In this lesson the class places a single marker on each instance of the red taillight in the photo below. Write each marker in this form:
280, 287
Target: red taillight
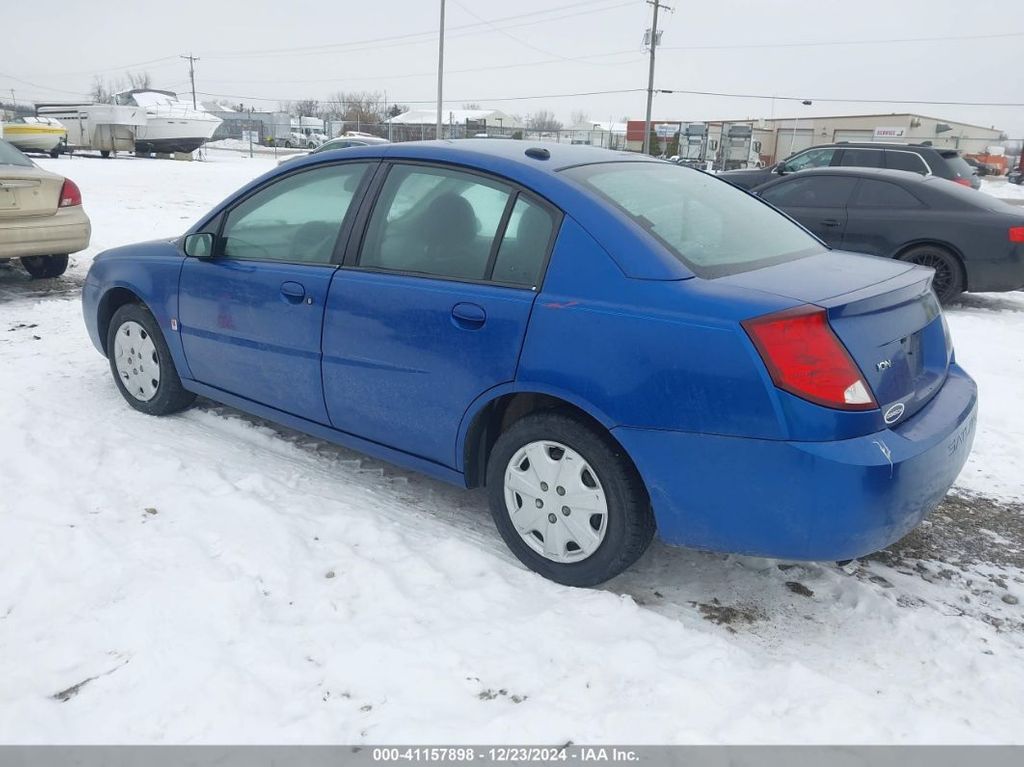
1017, 234
961, 181
805, 358
70, 194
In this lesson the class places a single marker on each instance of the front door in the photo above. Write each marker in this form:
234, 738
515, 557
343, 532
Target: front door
251, 316
434, 312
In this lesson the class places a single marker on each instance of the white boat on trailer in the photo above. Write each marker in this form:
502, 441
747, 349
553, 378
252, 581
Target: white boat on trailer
171, 125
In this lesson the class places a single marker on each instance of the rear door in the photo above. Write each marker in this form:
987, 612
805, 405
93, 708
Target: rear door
817, 202
251, 316
432, 310
881, 217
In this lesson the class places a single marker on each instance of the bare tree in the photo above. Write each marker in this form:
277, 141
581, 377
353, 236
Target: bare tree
304, 108
361, 108
103, 90
543, 120
579, 117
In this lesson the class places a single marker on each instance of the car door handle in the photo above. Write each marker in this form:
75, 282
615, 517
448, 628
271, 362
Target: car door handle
831, 222
468, 316
293, 292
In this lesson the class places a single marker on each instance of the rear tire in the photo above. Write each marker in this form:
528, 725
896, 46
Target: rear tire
104, 153
591, 543
949, 280
142, 365
45, 267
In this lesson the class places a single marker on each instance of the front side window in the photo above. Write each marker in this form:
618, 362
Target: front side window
297, 219
709, 225
435, 221
811, 192
812, 158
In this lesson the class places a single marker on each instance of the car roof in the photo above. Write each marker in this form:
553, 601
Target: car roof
889, 174
528, 156
884, 145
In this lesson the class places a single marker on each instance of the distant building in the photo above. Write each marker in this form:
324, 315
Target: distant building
418, 124
769, 141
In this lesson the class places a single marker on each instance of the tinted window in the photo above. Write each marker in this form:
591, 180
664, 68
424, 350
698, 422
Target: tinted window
861, 158
882, 194
812, 158
435, 221
958, 165
11, 156
525, 244
711, 226
909, 161
297, 219
811, 192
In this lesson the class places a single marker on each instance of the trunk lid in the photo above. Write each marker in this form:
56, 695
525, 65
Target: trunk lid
27, 192
883, 311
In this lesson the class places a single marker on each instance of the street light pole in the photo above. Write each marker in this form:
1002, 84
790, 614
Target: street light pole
440, 70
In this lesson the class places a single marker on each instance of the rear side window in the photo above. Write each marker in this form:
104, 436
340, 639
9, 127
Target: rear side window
909, 161
882, 194
435, 221
861, 158
958, 165
11, 156
811, 192
520, 258
709, 225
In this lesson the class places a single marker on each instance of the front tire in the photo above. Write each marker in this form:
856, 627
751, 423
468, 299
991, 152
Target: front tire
949, 276
567, 500
142, 365
45, 267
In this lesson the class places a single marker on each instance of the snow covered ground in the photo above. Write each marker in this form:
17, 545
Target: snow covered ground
1000, 187
212, 578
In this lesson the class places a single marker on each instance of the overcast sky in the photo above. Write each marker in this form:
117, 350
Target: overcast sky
535, 48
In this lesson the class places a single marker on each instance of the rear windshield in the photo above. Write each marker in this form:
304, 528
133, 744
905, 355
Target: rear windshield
711, 226
11, 156
960, 167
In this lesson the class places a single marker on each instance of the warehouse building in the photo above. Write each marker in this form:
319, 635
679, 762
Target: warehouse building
747, 142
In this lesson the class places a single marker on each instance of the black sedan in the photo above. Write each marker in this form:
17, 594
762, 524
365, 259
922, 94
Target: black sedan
973, 241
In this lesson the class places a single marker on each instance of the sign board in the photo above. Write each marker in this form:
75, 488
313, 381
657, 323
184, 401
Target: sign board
881, 133
666, 130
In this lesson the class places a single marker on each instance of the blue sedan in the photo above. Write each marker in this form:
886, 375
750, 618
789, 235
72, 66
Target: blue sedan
614, 346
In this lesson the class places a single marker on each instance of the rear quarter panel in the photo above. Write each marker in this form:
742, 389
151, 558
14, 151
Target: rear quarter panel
643, 353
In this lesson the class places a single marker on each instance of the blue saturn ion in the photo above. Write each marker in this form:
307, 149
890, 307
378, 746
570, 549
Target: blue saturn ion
612, 345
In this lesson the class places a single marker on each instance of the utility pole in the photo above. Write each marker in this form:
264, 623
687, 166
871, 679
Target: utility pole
192, 75
650, 74
440, 70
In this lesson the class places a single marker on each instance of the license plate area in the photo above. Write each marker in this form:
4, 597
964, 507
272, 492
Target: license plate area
8, 199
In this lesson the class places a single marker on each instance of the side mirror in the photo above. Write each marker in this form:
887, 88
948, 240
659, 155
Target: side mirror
199, 245
779, 169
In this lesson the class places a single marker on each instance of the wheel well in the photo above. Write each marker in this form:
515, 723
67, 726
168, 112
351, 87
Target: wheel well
957, 255
501, 413
112, 300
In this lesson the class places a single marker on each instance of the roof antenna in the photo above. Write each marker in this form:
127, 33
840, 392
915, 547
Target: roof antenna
538, 153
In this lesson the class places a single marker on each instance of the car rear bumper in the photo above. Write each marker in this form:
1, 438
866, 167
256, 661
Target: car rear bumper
66, 231
806, 500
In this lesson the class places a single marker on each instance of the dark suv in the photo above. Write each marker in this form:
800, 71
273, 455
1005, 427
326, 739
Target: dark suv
917, 158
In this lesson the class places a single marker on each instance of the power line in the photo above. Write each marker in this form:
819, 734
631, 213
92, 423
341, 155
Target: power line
920, 102
429, 35
431, 101
886, 41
